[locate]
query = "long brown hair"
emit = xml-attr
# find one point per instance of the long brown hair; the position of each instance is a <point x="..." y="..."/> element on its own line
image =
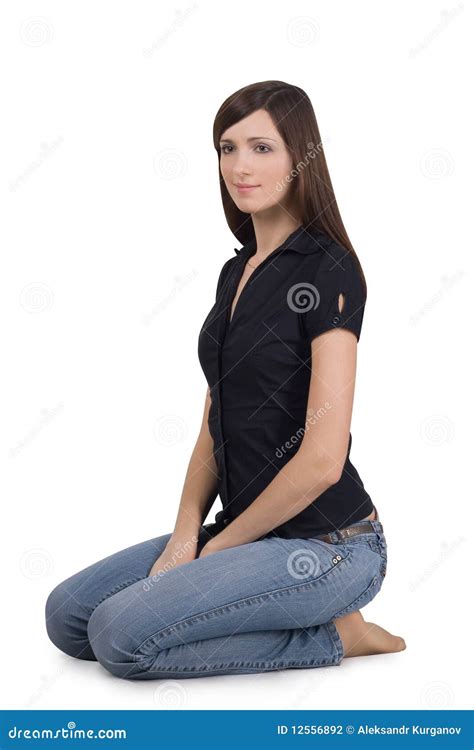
<point x="293" y="115"/>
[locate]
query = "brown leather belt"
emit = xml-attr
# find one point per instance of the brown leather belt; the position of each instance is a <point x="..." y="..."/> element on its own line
<point x="364" y="527"/>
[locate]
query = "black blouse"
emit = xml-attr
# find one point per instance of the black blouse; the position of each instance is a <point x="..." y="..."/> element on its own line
<point x="258" y="367"/>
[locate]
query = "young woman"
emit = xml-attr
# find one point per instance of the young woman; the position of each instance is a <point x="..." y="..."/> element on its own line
<point x="277" y="581"/>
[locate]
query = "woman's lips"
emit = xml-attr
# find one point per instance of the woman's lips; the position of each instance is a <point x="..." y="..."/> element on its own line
<point x="246" y="188"/>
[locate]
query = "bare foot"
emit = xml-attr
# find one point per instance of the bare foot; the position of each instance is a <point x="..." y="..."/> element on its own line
<point x="361" y="638"/>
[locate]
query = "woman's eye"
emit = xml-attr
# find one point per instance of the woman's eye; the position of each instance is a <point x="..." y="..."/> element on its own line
<point x="260" y="145"/>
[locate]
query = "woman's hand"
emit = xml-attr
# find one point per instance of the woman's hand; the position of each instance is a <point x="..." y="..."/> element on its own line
<point x="177" y="552"/>
<point x="209" y="548"/>
<point x="206" y="550"/>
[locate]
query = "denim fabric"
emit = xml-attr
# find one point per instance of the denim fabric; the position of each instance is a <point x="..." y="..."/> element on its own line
<point x="263" y="606"/>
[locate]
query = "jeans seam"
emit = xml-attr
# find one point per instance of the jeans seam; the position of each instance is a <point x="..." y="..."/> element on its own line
<point x="181" y="624"/>
<point x="336" y="640"/>
<point x="257" y="666"/>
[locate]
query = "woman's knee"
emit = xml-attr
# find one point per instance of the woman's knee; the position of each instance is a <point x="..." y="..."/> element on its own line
<point x="66" y="623"/>
<point x="109" y="640"/>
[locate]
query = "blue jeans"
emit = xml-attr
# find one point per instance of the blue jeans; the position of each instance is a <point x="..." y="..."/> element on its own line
<point x="262" y="606"/>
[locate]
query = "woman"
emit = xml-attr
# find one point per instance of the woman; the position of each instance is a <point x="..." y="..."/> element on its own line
<point x="277" y="581"/>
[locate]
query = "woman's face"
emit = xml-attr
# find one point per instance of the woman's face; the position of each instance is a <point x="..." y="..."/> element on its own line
<point x="253" y="153"/>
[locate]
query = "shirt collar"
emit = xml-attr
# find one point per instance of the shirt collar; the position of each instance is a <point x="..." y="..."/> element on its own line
<point x="302" y="240"/>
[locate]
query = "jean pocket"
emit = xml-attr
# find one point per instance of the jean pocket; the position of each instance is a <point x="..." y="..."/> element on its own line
<point x="378" y="544"/>
<point x="363" y="599"/>
<point x="361" y="548"/>
<point x="369" y="593"/>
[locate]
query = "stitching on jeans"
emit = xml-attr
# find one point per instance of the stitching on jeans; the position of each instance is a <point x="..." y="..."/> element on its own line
<point x="259" y="666"/>
<point x="254" y="665"/>
<point x="238" y="603"/>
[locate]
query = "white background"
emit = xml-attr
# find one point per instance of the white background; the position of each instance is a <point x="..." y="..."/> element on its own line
<point x="113" y="235"/>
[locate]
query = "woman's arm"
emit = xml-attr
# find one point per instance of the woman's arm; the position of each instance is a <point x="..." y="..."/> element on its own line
<point x="320" y="459"/>
<point x="200" y="484"/>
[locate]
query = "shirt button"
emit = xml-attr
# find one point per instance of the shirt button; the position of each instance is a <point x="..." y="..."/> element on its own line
<point x="336" y="319"/>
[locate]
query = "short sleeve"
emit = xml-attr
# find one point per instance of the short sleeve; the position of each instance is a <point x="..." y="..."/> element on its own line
<point x="337" y="273"/>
